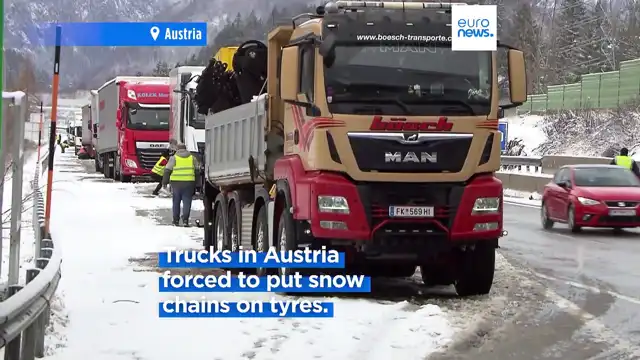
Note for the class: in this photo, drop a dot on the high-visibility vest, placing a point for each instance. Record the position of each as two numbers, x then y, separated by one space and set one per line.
158 168
183 169
624 161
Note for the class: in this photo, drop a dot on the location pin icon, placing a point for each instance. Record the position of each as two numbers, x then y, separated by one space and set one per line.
155 31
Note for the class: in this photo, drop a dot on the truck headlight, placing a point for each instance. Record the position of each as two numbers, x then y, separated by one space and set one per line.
130 163
489 205
587 201
333 204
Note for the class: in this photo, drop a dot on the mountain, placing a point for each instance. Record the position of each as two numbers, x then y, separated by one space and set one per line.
91 67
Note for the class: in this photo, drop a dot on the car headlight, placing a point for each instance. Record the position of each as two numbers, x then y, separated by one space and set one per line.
333 204
488 205
130 163
587 201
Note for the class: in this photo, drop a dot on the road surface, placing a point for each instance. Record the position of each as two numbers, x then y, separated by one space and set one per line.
555 296
585 302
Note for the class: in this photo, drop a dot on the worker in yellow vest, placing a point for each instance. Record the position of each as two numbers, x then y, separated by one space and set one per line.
158 170
626 161
182 171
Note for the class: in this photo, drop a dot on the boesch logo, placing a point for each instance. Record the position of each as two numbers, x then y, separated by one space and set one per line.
410 157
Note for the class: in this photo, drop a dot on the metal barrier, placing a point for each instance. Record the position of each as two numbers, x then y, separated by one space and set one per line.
25 314
25 310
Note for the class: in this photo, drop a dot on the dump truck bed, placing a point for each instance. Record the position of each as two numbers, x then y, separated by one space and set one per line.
232 136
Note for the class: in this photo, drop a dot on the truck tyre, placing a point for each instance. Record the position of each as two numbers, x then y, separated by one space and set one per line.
286 237
476 268
105 165
208 222
261 241
112 167
121 177
220 229
234 228
96 163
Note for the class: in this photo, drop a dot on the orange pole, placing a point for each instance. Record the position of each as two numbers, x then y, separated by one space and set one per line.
54 121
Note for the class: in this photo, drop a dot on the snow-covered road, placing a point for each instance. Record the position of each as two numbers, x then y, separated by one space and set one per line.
106 306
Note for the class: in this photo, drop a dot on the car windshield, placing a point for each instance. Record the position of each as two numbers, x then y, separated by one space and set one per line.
406 79
148 119
605 177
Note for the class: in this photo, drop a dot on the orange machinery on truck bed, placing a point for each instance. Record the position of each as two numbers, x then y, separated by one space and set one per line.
382 148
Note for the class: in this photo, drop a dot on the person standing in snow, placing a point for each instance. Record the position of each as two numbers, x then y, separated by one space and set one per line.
182 172
626 161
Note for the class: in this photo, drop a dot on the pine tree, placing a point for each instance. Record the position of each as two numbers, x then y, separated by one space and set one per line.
527 37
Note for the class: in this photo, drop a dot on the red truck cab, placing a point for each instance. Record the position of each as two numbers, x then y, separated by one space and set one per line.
133 143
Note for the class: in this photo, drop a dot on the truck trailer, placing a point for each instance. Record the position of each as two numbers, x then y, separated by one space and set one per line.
87 133
381 148
133 126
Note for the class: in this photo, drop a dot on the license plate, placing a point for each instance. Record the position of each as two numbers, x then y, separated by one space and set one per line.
411 211
622 213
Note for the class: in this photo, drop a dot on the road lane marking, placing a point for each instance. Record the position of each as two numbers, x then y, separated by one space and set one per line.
589 288
594 326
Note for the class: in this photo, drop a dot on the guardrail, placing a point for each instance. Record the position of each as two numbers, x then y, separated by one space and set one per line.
25 313
531 173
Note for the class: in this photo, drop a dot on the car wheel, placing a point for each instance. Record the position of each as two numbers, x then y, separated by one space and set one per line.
571 220
544 217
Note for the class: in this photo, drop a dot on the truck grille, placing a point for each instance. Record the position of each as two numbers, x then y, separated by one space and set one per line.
377 197
621 203
148 157
370 150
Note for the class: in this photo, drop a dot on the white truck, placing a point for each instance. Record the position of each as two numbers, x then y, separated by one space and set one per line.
187 126
87 139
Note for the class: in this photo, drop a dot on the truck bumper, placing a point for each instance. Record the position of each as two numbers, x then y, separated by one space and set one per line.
368 224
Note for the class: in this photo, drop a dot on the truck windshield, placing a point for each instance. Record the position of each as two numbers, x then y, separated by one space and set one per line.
197 120
78 130
148 119
408 80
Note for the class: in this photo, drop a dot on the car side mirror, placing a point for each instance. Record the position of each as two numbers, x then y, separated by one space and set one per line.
566 184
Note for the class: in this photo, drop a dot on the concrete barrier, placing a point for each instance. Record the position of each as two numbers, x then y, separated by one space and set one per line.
551 163
524 182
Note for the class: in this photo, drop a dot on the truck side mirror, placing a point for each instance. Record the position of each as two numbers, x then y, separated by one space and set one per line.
517 77
95 129
327 50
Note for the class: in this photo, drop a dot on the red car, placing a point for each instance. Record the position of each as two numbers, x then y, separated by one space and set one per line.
592 196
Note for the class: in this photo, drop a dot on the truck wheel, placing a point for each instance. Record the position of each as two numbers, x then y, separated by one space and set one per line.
220 229
96 163
208 223
476 269
105 166
261 241
121 177
112 167
234 229
286 238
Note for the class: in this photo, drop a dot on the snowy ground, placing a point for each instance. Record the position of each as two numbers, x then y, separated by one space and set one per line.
522 197
106 306
27 236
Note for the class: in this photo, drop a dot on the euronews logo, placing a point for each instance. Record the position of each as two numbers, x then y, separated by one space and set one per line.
474 28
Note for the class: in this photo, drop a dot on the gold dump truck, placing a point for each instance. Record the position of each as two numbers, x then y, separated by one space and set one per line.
372 137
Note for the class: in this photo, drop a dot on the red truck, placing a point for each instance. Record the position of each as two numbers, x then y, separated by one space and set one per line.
133 126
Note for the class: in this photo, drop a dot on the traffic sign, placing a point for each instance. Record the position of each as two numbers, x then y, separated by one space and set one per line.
503 127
